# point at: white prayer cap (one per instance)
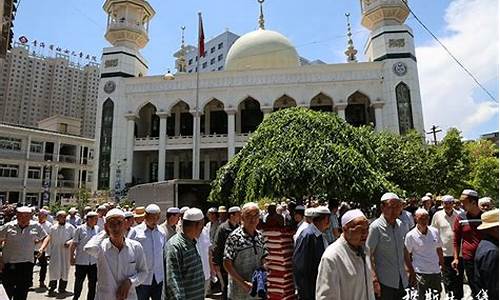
(428, 194)
(212, 210)
(448, 199)
(91, 214)
(128, 214)
(87, 208)
(421, 211)
(470, 193)
(484, 200)
(309, 212)
(102, 207)
(73, 210)
(193, 214)
(222, 209)
(23, 209)
(351, 215)
(153, 209)
(173, 210)
(389, 196)
(115, 212)
(299, 207)
(60, 213)
(426, 198)
(184, 209)
(234, 209)
(43, 211)
(321, 210)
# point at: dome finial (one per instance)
(261, 17)
(351, 51)
(181, 61)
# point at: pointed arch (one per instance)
(284, 102)
(251, 115)
(359, 111)
(148, 123)
(107, 117)
(405, 114)
(214, 118)
(321, 102)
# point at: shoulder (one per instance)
(376, 223)
(433, 230)
(133, 244)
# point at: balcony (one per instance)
(66, 184)
(209, 141)
(12, 154)
(70, 159)
(118, 25)
(11, 182)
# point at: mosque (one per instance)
(149, 128)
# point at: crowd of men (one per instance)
(407, 251)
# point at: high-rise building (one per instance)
(34, 87)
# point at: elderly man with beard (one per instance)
(112, 249)
(152, 239)
(60, 239)
(345, 271)
(18, 238)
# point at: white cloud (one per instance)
(449, 96)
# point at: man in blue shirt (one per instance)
(486, 258)
(307, 254)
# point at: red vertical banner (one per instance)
(201, 37)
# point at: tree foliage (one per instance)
(298, 152)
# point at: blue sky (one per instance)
(317, 29)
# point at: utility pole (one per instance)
(434, 129)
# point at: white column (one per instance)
(25, 179)
(206, 167)
(162, 146)
(76, 179)
(340, 108)
(130, 146)
(196, 146)
(266, 111)
(379, 119)
(57, 150)
(53, 194)
(230, 133)
(28, 148)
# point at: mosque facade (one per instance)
(146, 126)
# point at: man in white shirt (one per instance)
(345, 271)
(121, 264)
(203, 245)
(443, 221)
(424, 244)
(42, 257)
(308, 214)
(59, 239)
(152, 238)
(73, 218)
(85, 265)
(170, 224)
(18, 238)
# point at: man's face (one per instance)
(23, 219)
(422, 220)
(427, 204)
(138, 220)
(212, 217)
(115, 227)
(324, 223)
(199, 228)
(251, 218)
(129, 222)
(391, 209)
(448, 206)
(236, 217)
(152, 219)
(174, 219)
(298, 217)
(467, 203)
(356, 232)
(92, 221)
(61, 219)
(42, 218)
(485, 206)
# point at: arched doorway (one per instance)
(405, 116)
(358, 111)
(321, 102)
(284, 102)
(214, 119)
(148, 124)
(251, 115)
(180, 121)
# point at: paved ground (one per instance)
(42, 294)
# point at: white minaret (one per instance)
(127, 32)
(391, 42)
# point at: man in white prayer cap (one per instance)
(485, 204)
(112, 249)
(308, 214)
(169, 226)
(345, 271)
(152, 238)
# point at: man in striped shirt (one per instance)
(185, 278)
(467, 237)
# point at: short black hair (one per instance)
(189, 224)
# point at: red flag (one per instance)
(201, 37)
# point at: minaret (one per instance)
(181, 59)
(350, 52)
(127, 32)
(391, 42)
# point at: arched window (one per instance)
(405, 115)
(105, 144)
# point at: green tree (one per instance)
(483, 176)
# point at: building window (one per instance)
(8, 170)
(105, 144)
(212, 61)
(204, 65)
(7, 143)
(36, 147)
(190, 62)
(219, 68)
(405, 116)
(212, 50)
(220, 46)
(34, 172)
(220, 57)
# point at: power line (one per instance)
(449, 53)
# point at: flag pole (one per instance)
(196, 129)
